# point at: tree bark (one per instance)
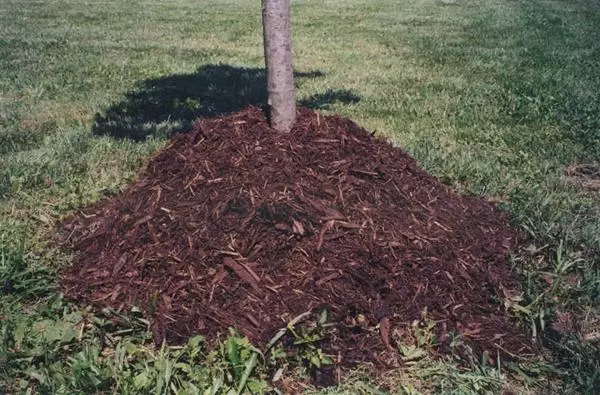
(278, 61)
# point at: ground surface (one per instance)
(234, 225)
(497, 99)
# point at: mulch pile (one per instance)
(236, 225)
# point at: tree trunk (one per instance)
(278, 62)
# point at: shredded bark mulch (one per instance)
(236, 225)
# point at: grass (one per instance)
(495, 98)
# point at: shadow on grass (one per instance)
(169, 104)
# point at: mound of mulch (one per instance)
(236, 225)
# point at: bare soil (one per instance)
(236, 225)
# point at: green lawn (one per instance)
(495, 98)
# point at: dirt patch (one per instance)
(586, 175)
(235, 225)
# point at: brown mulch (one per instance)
(236, 225)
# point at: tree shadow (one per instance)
(322, 101)
(161, 106)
